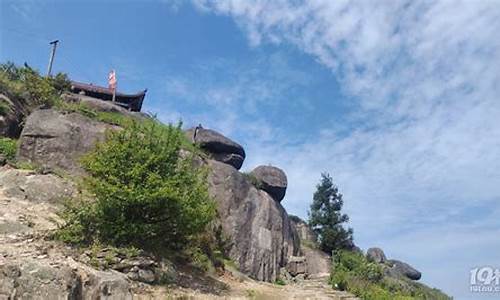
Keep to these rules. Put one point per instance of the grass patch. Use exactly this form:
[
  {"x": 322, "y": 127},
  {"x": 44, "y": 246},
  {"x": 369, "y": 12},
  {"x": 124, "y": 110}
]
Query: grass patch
[
  {"x": 354, "y": 273},
  {"x": 8, "y": 148}
]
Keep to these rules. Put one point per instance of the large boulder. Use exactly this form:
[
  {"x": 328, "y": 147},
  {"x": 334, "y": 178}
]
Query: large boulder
[
  {"x": 56, "y": 140},
  {"x": 28, "y": 278},
  {"x": 399, "y": 268},
  {"x": 218, "y": 146},
  {"x": 272, "y": 180},
  {"x": 376, "y": 255},
  {"x": 262, "y": 238}
]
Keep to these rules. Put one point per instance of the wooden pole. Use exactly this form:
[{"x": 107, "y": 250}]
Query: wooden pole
[{"x": 54, "y": 46}]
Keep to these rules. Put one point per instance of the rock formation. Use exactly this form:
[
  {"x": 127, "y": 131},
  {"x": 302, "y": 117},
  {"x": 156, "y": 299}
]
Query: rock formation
[
  {"x": 272, "y": 180},
  {"x": 32, "y": 268},
  {"x": 56, "y": 140},
  {"x": 399, "y": 268},
  {"x": 217, "y": 146},
  {"x": 393, "y": 268},
  {"x": 318, "y": 263},
  {"x": 376, "y": 255},
  {"x": 259, "y": 228},
  {"x": 257, "y": 225},
  {"x": 12, "y": 116}
]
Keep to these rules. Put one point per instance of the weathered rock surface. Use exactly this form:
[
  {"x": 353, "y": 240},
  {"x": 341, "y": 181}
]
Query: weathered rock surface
[
  {"x": 318, "y": 262},
  {"x": 376, "y": 255},
  {"x": 272, "y": 180},
  {"x": 296, "y": 265},
  {"x": 11, "y": 119},
  {"x": 218, "y": 146},
  {"x": 32, "y": 268},
  {"x": 35, "y": 188},
  {"x": 29, "y": 278},
  {"x": 29, "y": 202},
  {"x": 57, "y": 140},
  {"x": 306, "y": 234},
  {"x": 94, "y": 103},
  {"x": 258, "y": 227},
  {"x": 399, "y": 268}
]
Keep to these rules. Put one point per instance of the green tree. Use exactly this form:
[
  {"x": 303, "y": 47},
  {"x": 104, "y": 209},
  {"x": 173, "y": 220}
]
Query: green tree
[
  {"x": 326, "y": 218},
  {"x": 146, "y": 194}
]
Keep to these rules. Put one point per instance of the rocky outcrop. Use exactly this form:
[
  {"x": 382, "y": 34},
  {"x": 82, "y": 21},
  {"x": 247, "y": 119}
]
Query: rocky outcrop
[
  {"x": 393, "y": 268},
  {"x": 94, "y": 103},
  {"x": 30, "y": 266},
  {"x": 376, "y": 255},
  {"x": 218, "y": 147},
  {"x": 318, "y": 262},
  {"x": 296, "y": 265},
  {"x": 272, "y": 180},
  {"x": 56, "y": 140},
  {"x": 11, "y": 116},
  {"x": 43, "y": 279},
  {"x": 306, "y": 234},
  {"x": 262, "y": 238},
  {"x": 399, "y": 268},
  {"x": 35, "y": 188}
]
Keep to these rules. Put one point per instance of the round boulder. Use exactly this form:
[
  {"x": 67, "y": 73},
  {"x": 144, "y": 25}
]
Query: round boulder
[
  {"x": 376, "y": 255},
  {"x": 218, "y": 146},
  {"x": 403, "y": 269},
  {"x": 272, "y": 180}
]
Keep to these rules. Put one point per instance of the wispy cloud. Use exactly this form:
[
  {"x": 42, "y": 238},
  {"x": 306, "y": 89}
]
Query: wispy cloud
[{"x": 424, "y": 79}]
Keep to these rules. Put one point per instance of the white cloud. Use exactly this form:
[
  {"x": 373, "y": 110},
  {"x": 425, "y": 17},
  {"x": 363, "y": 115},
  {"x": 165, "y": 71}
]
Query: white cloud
[{"x": 424, "y": 78}]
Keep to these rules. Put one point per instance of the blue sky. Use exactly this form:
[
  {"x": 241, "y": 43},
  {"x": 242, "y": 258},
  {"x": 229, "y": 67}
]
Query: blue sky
[{"x": 398, "y": 100}]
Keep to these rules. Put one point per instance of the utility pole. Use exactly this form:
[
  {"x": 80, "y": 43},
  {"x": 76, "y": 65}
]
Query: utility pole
[{"x": 54, "y": 46}]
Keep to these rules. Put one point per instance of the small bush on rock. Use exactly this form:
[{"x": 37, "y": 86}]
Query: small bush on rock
[
  {"x": 354, "y": 273},
  {"x": 146, "y": 194},
  {"x": 27, "y": 86},
  {"x": 8, "y": 148}
]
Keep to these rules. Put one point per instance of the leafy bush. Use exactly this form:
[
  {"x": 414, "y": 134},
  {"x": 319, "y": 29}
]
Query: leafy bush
[
  {"x": 27, "y": 86},
  {"x": 146, "y": 194},
  {"x": 354, "y": 273},
  {"x": 8, "y": 148}
]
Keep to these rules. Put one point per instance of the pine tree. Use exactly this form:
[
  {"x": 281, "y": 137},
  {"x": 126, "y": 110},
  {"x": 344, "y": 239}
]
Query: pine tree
[{"x": 326, "y": 218}]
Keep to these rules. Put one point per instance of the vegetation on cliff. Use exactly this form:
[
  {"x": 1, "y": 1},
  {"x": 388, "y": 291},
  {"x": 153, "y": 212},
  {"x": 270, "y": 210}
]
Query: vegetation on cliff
[
  {"x": 354, "y": 273},
  {"x": 24, "y": 85},
  {"x": 146, "y": 194}
]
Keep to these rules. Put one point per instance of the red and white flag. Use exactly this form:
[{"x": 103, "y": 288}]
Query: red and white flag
[{"x": 112, "y": 80}]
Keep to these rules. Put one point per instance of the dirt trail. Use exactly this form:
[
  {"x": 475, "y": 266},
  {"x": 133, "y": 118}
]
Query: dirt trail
[{"x": 245, "y": 288}]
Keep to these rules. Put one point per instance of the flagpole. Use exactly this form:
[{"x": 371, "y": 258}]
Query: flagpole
[{"x": 114, "y": 94}]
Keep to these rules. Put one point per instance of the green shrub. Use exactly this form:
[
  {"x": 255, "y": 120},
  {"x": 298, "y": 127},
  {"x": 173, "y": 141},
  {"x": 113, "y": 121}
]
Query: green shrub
[
  {"x": 4, "y": 108},
  {"x": 354, "y": 273},
  {"x": 8, "y": 148},
  {"x": 27, "y": 86},
  {"x": 146, "y": 194}
]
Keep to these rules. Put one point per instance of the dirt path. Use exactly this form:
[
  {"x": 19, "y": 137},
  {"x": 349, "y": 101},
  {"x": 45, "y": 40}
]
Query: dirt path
[{"x": 245, "y": 288}]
